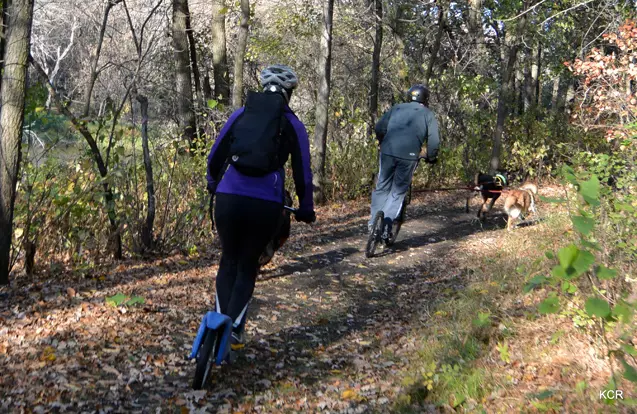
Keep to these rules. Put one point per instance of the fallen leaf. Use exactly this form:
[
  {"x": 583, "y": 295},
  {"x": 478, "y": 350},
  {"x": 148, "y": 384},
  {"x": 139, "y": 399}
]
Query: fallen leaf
[{"x": 349, "y": 394}]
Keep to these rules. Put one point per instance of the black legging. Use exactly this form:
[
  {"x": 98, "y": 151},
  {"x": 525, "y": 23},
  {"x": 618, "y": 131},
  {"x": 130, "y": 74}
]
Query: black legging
[{"x": 245, "y": 226}]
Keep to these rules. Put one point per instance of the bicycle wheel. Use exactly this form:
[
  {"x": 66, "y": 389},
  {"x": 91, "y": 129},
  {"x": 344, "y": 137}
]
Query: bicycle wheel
[
  {"x": 205, "y": 360},
  {"x": 375, "y": 234},
  {"x": 267, "y": 254}
]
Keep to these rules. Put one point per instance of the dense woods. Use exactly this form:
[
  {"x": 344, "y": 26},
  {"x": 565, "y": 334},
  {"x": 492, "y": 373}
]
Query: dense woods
[{"x": 110, "y": 106}]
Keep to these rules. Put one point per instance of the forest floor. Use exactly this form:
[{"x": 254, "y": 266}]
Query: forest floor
[{"x": 437, "y": 323}]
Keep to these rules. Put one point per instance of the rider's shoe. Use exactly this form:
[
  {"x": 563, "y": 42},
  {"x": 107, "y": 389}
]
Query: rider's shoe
[
  {"x": 237, "y": 341},
  {"x": 387, "y": 226}
]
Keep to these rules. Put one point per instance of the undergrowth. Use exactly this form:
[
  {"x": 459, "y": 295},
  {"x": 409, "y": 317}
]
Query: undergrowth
[{"x": 489, "y": 347}]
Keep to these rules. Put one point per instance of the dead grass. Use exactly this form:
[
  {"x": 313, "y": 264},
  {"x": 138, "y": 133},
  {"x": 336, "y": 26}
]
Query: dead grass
[{"x": 525, "y": 362}]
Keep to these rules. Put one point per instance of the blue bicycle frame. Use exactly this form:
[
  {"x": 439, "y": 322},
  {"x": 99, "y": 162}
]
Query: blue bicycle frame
[{"x": 213, "y": 322}]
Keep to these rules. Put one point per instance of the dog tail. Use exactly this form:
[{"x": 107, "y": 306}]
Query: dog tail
[{"x": 529, "y": 186}]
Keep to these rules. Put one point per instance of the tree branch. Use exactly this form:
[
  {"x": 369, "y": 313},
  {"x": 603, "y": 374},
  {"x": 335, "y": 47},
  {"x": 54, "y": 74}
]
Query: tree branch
[
  {"x": 567, "y": 10},
  {"x": 530, "y": 9}
]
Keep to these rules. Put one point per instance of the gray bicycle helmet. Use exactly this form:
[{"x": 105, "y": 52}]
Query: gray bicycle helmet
[{"x": 280, "y": 75}]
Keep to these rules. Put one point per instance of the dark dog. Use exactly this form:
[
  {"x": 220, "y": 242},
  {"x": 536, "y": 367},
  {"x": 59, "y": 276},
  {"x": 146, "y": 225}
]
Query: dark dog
[
  {"x": 490, "y": 187},
  {"x": 281, "y": 235}
]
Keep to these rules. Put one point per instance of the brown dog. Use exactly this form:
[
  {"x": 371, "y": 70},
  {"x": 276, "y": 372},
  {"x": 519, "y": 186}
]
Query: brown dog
[{"x": 519, "y": 202}]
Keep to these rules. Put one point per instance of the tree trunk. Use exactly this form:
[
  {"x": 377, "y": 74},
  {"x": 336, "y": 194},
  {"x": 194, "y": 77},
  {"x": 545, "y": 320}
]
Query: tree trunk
[
  {"x": 183, "y": 83},
  {"x": 529, "y": 89},
  {"x": 567, "y": 96},
  {"x": 207, "y": 89},
  {"x": 115, "y": 242},
  {"x": 3, "y": 34},
  {"x": 88, "y": 93},
  {"x": 535, "y": 75},
  {"x": 436, "y": 45},
  {"x": 519, "y": 90},
  {"x": 322, "y": 104},
  {"x": 555, "y": 94},
  {"x": 14, "y": 79},
  {"x": 219, "y": 58},
  {"x": 505, "y": 92},
  {"x": 193, "y": 60},
  {"x": 477, "y": 34},
  {"x": 147, "y": 228},
  {"x": 475, "y": 18},
  {"x": 240, "y": 54},
  {"x": 378, "y": 43}
]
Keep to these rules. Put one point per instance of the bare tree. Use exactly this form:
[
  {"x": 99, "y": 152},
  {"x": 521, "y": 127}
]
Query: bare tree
[
  {"x": 12, "y": 96},
  {"x": 196, "y": 77},
  {"x": 115, "y": 241},
  {"x": 51, "y": 60},
  {"x": 147, "y": 238},
  {"x": 219, "y": 56},
  {"x": 3, "y": 33},
  {"x": 147, "y": 227},
  {"x": 186, "y": 113},
  {"x": 239, "y": 55},
  {"x": 94, "y": 73},
  {"x": 436, "y": 46},
  {"x": 506, "y": 88},
  {"x": 378, "y": 44},
  {"x": 323, "y": 103}
]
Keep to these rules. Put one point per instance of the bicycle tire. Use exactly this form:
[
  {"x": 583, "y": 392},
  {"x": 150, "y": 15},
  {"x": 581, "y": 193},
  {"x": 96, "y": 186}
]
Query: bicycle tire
[
  {"x": 375, "y": 235},
  {"x": 267, "y": 254},
  {"x": 205, "y": 360}
]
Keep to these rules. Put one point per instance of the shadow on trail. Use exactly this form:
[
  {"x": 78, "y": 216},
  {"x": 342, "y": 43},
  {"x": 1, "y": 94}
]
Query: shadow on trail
[
  {"x": 304, "y": 263},
  {"x": 435, "y": 239},
  {"x": 328, "y": 347}
]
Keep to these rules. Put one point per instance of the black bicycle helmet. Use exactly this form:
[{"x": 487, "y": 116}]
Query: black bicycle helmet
[{"x": 418, "y": 93}]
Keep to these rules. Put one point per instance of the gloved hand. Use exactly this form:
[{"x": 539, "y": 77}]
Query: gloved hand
[
  {"x": 306, "y": 216},
  {"x": 431, "y": 161}
]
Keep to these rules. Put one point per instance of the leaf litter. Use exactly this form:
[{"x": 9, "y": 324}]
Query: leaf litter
[{"x": 327, "y": 332}]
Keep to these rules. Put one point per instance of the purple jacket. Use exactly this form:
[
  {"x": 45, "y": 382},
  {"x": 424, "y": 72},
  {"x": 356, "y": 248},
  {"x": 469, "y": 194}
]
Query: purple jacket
[{"x": 271, "y": 186}]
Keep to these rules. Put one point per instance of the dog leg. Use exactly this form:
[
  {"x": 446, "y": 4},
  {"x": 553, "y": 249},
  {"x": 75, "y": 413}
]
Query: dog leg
[
  {"x": 510, "y": 223},
  {"x": 491, "y": 204},
  {"x": 481, "y": 207},
  {"x": 484, "y": 212}
]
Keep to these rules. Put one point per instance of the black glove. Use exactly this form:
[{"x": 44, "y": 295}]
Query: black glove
[
  {"x": 431, "y": 161},
  {"x": 306, "y": 216}
]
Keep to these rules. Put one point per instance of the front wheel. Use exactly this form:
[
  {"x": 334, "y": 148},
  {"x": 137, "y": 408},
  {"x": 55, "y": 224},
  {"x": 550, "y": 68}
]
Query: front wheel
[
  {"x": 375, "y": 234},
  {"x": 205, "y": 360}
]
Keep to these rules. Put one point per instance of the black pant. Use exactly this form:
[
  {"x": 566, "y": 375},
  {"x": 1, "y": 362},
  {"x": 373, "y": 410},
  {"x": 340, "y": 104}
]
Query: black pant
[{"x": 245, "y": 226}]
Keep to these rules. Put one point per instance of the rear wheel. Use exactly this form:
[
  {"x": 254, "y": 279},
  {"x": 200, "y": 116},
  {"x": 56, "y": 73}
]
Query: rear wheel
[
  {"x": 375, "y": 235},
  {"x": 205, "y": 360},
  {"x": 267, "y": 254}
]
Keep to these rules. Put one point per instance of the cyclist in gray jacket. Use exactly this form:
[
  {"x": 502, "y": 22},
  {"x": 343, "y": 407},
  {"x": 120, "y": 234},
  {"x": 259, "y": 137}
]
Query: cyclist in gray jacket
[{"x": 401, "y": 133}]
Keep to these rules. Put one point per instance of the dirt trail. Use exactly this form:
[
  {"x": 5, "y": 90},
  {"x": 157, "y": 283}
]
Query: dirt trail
[{"x": 328, "y": 329}]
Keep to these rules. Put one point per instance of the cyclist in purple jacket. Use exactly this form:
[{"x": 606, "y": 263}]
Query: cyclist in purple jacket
[{"x": 248, "y": 208}]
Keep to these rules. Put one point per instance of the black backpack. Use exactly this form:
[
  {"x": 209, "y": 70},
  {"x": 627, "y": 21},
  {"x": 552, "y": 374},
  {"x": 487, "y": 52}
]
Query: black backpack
[{"x": 257, "y": 142}]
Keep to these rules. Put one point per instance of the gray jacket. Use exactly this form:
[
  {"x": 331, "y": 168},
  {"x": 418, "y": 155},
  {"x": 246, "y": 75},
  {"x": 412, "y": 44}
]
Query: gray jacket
[{"x": 403, "y": 129}]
